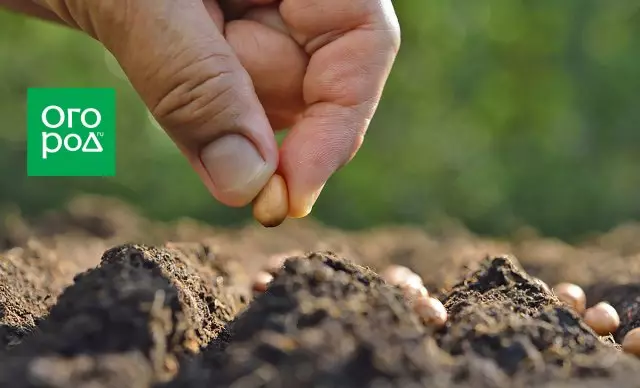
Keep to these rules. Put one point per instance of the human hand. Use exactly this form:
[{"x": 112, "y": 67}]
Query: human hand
[{"x": 221, "y": 87}]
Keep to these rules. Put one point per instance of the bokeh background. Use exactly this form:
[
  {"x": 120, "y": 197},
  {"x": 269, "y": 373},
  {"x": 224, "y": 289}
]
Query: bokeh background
[{"x": 499, "y": 114}]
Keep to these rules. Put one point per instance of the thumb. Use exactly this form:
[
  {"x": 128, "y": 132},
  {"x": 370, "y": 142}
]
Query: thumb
[{"x": 179, "y": 62}]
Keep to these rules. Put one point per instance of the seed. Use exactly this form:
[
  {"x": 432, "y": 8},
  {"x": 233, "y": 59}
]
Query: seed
[
  {"x": 602, "y": 318},
  {"x": 271, "y": 206},
  {"x": 411, "y": 293},
  {"x": 261, "y": 281},
  {"x": 431, "y": 311},
  {"x": 409, "y": 281},
  {"x": 396, "y": 275},
  {"x": 572, "y": 295},
  {"x": 413, "y": 280},
  {"x": 413, "y": 285},
  {"x": 631, "y": 342}
]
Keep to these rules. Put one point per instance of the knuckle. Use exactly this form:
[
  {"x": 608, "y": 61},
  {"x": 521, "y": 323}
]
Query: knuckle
[{"x": 200, "y": 104}]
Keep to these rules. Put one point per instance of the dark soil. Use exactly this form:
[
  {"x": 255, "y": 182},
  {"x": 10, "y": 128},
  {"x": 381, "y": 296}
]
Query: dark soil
[{"x": 95, "y": 296}]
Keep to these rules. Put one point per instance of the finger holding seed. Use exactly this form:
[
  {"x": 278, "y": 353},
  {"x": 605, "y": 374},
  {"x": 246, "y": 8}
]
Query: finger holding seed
[
  {"x": 602, "y": 318},
  {"x": 631, "y": 342},
  {"x": 572, "y": 295},
  {"x": 271, "y": 206},
  {"x": 431, "y": 311}
]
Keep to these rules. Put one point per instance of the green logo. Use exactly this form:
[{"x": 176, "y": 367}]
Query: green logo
[{"x": 71, "y": 132}]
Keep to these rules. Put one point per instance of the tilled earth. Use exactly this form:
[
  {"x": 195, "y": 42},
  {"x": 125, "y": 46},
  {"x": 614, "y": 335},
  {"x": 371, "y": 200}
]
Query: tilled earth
[{"x": 95, "y": 296}]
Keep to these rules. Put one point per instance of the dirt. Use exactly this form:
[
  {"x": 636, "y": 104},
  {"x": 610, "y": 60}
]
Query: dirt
[{"x": 96, "y": 296}]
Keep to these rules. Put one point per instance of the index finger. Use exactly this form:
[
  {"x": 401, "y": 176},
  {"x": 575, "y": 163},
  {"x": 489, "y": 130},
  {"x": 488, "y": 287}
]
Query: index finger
[{"x": 352, "y": 45}]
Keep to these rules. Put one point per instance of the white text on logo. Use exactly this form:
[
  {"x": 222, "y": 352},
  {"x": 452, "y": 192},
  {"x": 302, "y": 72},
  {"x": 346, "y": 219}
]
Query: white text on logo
[{"x": 72, "y": 142}]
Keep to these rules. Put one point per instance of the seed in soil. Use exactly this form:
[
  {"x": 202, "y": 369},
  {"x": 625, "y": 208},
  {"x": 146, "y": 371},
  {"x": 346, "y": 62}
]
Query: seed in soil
[
  {"x": 271, "y": 206},
  {"x": 396, "y": 275},
  {"x": 602, "y": 318},
  {"x": 409, "y": 282},
  {"x": 413, "y": 280},
  {"x": 572, "y": 295},
  {"x": 631, "y": 342},
  {"x": 413, "y": 285},
  {"x": 412, "y": 293},
  {"x": 261, "y": 281},
  {"x": 431, "y": 311}
]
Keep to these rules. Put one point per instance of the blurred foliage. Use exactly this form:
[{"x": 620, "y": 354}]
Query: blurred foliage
[{"x": 499, "y": 113}]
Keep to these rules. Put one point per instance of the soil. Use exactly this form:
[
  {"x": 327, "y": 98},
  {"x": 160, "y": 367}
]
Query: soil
[{"x": 96, "y": 296}]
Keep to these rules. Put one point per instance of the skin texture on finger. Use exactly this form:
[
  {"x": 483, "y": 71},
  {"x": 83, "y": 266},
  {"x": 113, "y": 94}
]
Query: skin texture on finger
[
  {"x": 353, "y": 45},
  {"x": 185, "y": 72},
  {"x": 277, "y": 66}
]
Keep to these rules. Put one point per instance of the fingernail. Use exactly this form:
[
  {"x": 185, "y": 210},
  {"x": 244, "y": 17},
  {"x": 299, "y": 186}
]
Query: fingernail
[
  {"x": 308, "y": 204},
  {"x": 236, "y": 167}
]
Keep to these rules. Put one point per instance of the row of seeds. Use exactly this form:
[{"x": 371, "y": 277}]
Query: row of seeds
[{"x": 602, "y": 317}]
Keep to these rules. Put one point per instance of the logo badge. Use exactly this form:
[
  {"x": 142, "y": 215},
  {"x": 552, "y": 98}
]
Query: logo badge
[{"x": 71, "y": 132}]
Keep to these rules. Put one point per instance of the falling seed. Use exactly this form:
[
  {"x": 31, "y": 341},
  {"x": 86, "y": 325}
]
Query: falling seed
[
  {"x": 396, "y": 275},
  {"x": 602, "y": 318},
  {"x": 271, "y": 206},
  {"x": 631, "y": 342},
  {"x": 431, "y": 311},
  {"x": 572, "y": 295},
  {"x": 261, "y": 281}
]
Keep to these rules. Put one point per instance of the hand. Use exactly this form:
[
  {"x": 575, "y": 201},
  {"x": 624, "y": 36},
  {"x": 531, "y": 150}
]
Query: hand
[{"x": 221, "y": 87}]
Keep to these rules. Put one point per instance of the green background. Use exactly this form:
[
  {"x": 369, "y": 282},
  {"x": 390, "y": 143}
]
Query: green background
[
  {"x": 63, "y": 162},
  {"x": 499, "y": 113}
]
